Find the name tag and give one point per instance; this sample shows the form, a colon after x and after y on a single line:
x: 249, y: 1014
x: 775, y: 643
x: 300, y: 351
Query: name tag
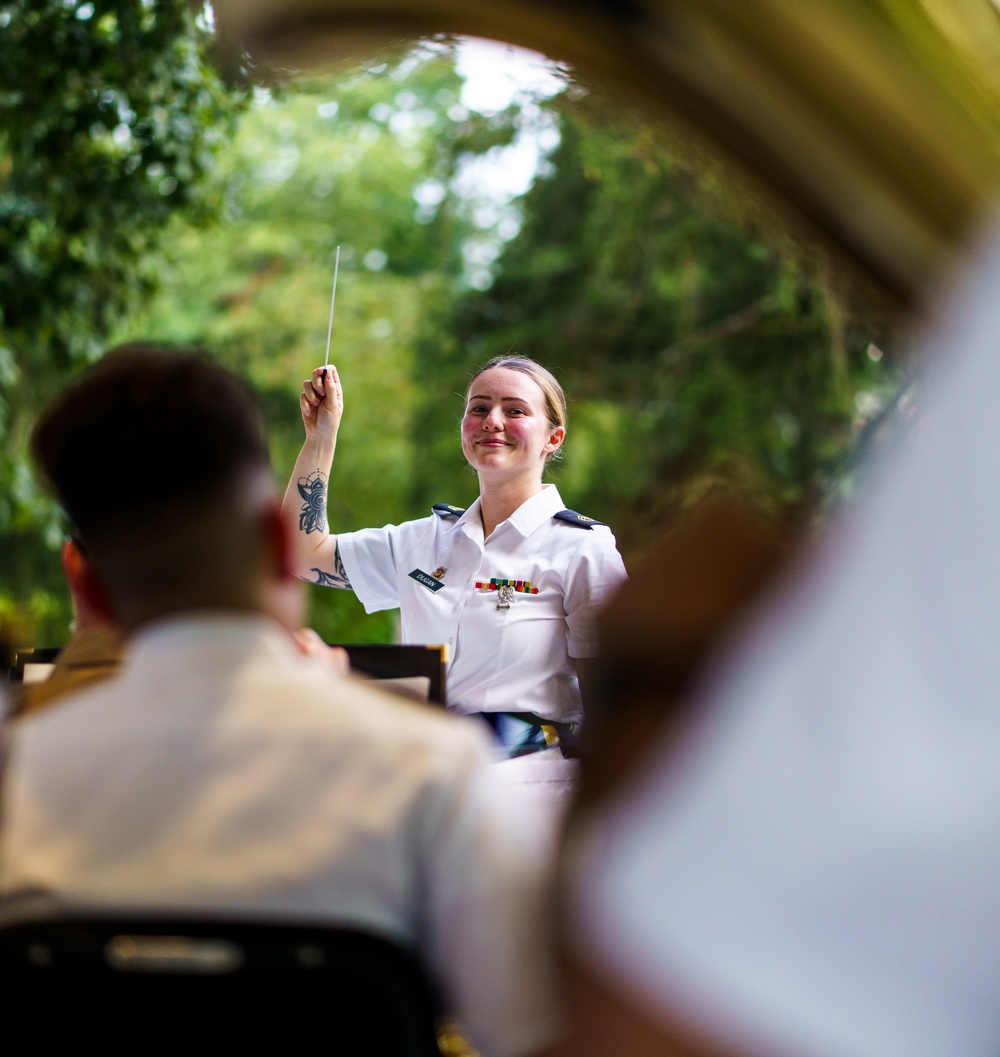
x: 427, y: 580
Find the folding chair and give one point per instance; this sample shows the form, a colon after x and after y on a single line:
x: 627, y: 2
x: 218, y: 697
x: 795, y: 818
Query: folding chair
x: 151, y: 985
x: 390, y: 662
x: 394, y: 663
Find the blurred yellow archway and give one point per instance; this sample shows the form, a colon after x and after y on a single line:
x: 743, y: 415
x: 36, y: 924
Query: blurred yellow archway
x: 874, y: 123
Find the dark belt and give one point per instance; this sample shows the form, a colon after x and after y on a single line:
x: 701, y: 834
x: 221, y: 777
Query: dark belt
x: 530, y: 734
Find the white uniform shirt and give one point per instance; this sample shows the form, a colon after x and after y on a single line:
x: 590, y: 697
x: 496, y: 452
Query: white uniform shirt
x: 817, y: 870
x: 500, y: 660
x: 221, y: 772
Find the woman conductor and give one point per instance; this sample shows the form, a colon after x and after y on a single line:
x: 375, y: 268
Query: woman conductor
x: 511, y: 585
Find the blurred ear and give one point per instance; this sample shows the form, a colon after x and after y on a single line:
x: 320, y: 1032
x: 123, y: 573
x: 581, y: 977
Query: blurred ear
x: 282, y: 593
x: 88, y: 591
x: 277, y: 542
x: 73, y: 560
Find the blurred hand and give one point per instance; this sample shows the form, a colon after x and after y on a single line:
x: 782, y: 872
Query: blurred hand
x: 322, y: 404
x: 311, y: 645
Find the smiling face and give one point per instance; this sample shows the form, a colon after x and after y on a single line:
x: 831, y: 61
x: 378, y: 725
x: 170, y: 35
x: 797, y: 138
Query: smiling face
x: 506, y: 430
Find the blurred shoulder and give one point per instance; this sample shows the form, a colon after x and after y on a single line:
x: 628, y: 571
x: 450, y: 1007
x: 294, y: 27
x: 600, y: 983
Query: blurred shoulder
x: 356, y: 707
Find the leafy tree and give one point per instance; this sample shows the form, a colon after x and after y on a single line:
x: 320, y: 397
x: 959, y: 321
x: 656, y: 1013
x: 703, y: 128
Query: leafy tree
x: 692, y: 338
x: 111, y: 117
x: 364, y: 160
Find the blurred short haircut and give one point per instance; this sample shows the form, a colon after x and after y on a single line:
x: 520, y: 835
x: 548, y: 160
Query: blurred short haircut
x: 147, y: 428
x: 149, y: 452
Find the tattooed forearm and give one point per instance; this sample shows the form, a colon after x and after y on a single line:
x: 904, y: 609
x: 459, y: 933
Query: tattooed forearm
x: 337, y: 578
x: 312, y: 517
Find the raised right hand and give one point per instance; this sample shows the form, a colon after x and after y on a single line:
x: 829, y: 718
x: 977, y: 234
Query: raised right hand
x: 322, y: 404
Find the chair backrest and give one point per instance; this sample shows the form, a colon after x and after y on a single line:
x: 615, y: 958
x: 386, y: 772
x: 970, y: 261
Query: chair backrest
x: 133, y: 985
x: 378, y: 660
x: 29, y: 658
x: 396, y: 662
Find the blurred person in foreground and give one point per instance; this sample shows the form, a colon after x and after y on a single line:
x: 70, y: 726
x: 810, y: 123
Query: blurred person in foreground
x: 811, y: 868
x: 94, y: 650
x: 221, y: 770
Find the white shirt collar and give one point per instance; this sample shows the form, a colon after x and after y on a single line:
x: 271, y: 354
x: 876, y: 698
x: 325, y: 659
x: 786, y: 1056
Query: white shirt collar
x: 212, y: 632
x: 529, y: 516
x: 536, y: 511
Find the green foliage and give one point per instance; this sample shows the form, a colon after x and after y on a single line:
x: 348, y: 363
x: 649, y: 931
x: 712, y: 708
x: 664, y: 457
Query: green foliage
x: 111, y: 121
x: 111, y: 117
x: 360, y: 162
x: 692, y: 341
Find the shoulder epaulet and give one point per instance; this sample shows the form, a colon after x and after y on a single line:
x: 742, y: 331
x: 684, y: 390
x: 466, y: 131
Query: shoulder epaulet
x: 580, y: 520
x: 447, y: 510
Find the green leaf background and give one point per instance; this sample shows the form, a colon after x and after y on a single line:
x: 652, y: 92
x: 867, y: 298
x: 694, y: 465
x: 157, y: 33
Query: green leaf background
x: 142, y: 196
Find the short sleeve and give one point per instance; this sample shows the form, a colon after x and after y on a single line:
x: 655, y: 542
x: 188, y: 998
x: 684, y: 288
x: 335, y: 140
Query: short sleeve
x: 595, y: 573
x: 369, y: 558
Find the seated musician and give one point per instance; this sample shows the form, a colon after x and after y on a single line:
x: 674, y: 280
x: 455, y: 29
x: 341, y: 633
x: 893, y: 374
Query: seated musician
x: 221, y: 771
x: 92, y: 654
